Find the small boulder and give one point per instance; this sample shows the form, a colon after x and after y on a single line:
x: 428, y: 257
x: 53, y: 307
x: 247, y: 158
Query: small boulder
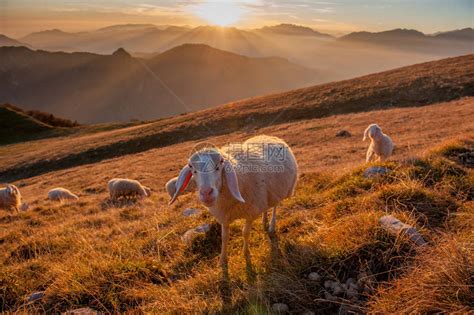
x: 36, y: 296
x: 280, y: 308
x: 188, y: 212
x: 343, y: 134
x: 375, y: 171
x: 396, y: 227
x: 203, y: 228
x: 82, y: 311
x: 328, y: 296
x: 314, y: 276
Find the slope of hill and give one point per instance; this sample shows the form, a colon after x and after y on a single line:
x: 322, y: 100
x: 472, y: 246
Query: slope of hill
x: 130, y: 257
x: 97, y: 88
x: 7, y: 41
x: 409, y: 86
x: 18, y: 126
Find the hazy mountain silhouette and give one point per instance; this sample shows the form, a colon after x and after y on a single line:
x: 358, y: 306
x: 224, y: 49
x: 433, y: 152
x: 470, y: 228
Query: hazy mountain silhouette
x: 7, y: 41
x: 97, y: 88
x: 292, y: 29
x: 462, y: 34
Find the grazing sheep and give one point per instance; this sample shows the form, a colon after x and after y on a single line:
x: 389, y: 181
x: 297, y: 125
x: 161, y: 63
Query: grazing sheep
x: 10, y: 197
x: 124, y: 187
x: 171, y: 186
x: 381, y: 146
x: 60, y: 194
x: 241, y: 183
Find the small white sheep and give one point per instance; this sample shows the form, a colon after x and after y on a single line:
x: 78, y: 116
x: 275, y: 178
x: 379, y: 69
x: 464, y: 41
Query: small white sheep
x: 60, y: 194
x: 241, y: 182
x: 124, y: 187
x: 171, y: 186
x: 10, y: 197
x: 381, y: 146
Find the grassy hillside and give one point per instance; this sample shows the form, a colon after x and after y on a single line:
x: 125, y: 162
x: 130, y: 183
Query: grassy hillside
x: 130, y: 258
x: 18, y: 126
x: 409, y: 86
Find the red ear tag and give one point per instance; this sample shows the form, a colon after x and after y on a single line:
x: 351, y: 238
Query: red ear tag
x: 186, y: 182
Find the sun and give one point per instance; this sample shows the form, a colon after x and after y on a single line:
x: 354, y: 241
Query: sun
x: 222, y: 13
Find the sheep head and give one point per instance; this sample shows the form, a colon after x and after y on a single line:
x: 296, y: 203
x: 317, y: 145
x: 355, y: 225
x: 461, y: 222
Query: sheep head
x: 373, y: 132
x: 208, y: 168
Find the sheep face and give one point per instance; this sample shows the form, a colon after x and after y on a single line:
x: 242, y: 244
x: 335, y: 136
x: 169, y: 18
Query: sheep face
x: 373, y: 132
x: 209, y: 170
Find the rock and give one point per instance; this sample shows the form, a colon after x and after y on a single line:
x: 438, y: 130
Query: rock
x: 36, y: 296
x: 328, y: 284
x: 337, y: 289
x: 314, y: 276
x: 280, y: 308
x: 374, y: 171
x: 343, y: 134
x: 191, y: 234
x: 309, y: 313
x: 328, y: 296
x: 24, y: 206
x: 350, y: 281
x: 352, y: 292
x: 203, y: 228
x: 82, y: 311
x: 188, y: 212
x: 397, y: 227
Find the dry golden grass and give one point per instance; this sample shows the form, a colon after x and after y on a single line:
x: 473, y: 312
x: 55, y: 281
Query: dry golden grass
x: 130, y: 257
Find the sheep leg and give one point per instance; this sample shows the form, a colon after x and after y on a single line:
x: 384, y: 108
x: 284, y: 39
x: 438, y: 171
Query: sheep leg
x: 225, y: 241
x: 265, y: 220
x: 246, y: 235
x: 370, y: 155
x: 272, y: 227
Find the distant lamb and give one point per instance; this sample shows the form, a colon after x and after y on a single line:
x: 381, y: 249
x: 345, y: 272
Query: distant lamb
x: 381, y: 146
x: 10, y: 198
x: 241, y: 186
x: 171, y: 186
x: 124, y: 187
x: 60, y: 194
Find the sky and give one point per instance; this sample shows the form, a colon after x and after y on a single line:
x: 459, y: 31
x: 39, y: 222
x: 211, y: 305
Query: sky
x: 20, y: 17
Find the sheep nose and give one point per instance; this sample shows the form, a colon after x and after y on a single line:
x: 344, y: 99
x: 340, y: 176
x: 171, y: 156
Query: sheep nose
x: 206, y: 192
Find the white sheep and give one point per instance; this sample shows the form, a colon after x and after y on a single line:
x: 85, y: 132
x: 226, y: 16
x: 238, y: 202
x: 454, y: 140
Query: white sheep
x: 171, y: 186
x: 10, y: 197
x: 60, y: 194
x: 124, y: 187
x: 241, y: 182
x: 381, y: 146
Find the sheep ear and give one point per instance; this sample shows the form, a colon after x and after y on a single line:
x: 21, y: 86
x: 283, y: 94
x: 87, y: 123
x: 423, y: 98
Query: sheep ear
x: 232, y: 182
x: 183, y: 181
x: 365, y: 133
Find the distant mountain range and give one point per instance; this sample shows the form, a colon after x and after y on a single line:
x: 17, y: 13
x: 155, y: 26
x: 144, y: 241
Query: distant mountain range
x: 98, y: 88
x: 7, y: 41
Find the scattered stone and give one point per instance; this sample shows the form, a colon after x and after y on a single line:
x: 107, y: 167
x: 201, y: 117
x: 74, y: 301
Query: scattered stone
x: 350, y: 281
x: 82, y: 311
x: 328, y: 284
x: 36, y: 296
x: 337, y: 289
x: 24, y: 206
x: 328, y: 296
x: 314, y: 276
x: 280, y: 308
x: 203, y: 228
x: 343, y: 134
x: 374, y: 171
x: 396, y: 227
x: 191, y: 234
x: 467, y: 159
x: 309, y: 313
x: 188, y: 212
